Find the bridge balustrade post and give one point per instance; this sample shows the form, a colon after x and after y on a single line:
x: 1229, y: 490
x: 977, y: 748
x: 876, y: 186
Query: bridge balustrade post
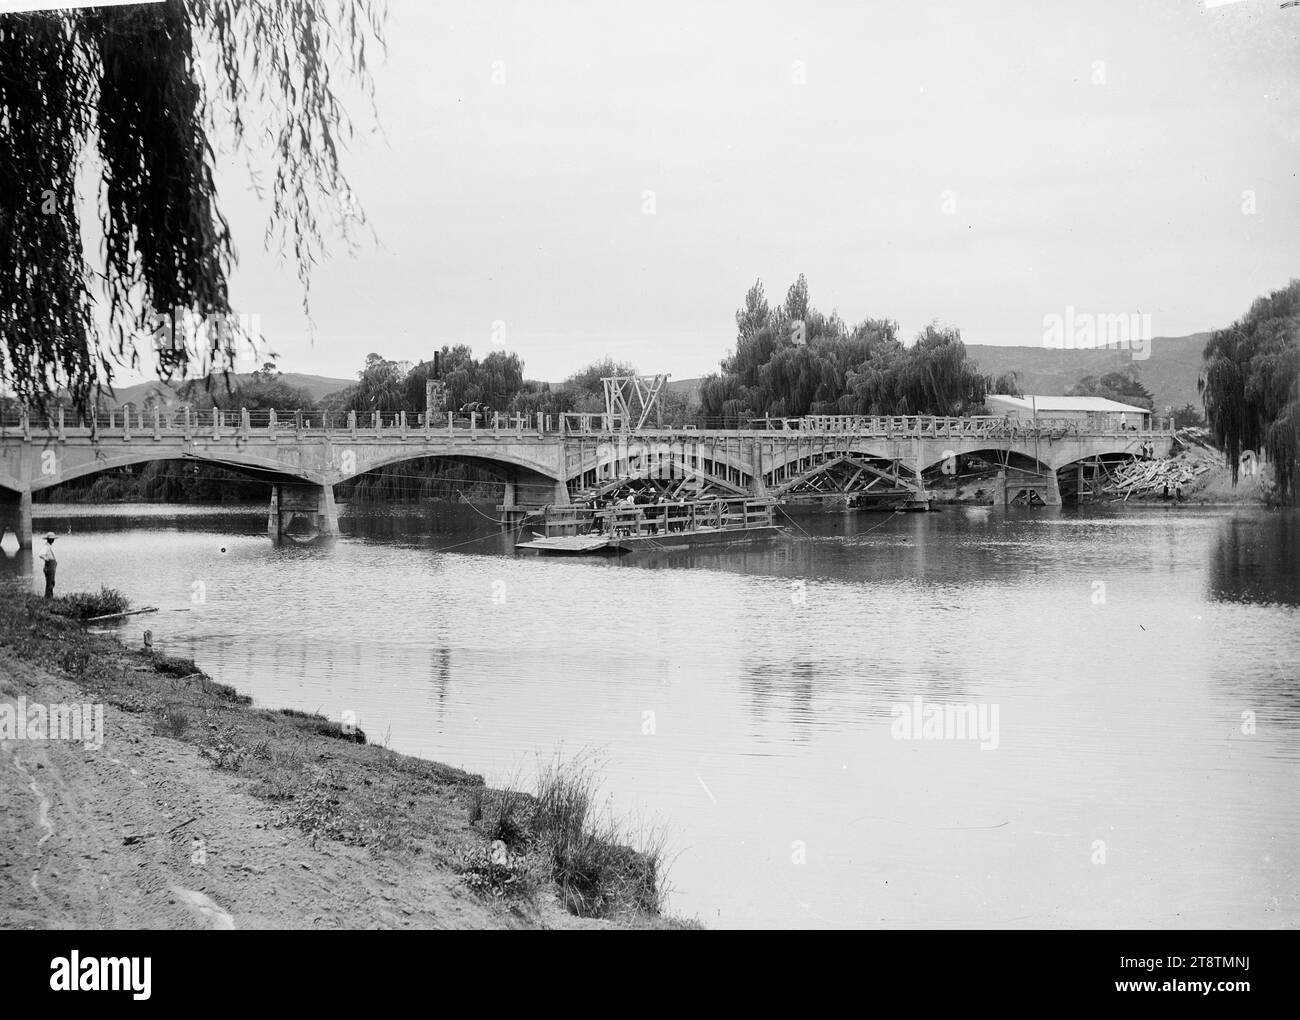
x: 473, y: 425
x: 126, y: 423
x: 352, y: 423
x: 271, y: 424
x: 496, y: 423
x: 216, y: 423
x: 157, y: 425
x: 63, y: 435
x: 112, y: 419
x: 245, y: 422
x: 402, y: 418
x: 25, y: 423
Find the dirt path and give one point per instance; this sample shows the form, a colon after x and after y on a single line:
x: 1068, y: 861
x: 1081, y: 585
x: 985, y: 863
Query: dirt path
x: 144, y: 833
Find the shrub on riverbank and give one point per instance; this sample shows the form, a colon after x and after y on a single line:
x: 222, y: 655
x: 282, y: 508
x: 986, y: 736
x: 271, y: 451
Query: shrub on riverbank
x: 87, y: 605
x: 172, y: 722
x: 317, y: 723
x: 594, y: 868
x: 171, y: 665
x: 568, y: 834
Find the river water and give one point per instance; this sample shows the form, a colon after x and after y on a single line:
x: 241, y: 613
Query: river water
x: 1137, y: 673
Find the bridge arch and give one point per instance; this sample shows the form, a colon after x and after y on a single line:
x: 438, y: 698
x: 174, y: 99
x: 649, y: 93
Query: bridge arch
x: 364, y: 463
x: 255, y: 466
x: 670, y: 463
x: 994, y: 456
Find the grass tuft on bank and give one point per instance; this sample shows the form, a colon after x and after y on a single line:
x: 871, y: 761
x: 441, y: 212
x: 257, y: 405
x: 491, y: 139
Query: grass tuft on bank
x: 326, y: 727
x: 568, y: 834
x: 87, y: 605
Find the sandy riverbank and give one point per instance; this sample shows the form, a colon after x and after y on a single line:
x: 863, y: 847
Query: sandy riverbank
x: 200, y: 811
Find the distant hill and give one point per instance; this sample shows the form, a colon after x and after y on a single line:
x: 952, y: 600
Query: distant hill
x: 691, y: 387
x: 317, y: 385
x: 1169, y: 373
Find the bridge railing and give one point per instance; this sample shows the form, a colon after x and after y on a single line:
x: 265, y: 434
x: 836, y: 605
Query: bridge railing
x: 129, y: 422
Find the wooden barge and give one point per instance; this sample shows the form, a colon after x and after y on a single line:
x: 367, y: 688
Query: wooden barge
x: 650, y: 527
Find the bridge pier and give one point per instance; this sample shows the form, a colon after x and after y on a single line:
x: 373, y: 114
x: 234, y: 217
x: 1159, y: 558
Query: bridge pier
x: 302, y: 509
x: 16, y: 516
x: 1026, y: 488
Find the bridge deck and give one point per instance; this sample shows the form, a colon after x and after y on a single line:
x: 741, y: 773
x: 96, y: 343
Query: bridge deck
x: 297, y: 425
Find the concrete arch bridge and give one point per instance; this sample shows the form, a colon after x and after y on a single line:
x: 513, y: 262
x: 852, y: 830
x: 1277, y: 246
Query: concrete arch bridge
x: 545, y: 458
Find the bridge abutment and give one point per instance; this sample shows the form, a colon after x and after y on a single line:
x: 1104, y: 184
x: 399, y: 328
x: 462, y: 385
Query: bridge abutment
x: 302, y: 510
x: 16, y: 516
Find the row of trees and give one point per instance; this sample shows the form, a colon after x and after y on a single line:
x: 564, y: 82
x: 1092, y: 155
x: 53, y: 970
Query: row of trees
x: 792, y: 359
x: 1124, y: 387
x: 496, y: 381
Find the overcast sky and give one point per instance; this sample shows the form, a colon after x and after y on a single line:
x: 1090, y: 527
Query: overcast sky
x: 984, y: 163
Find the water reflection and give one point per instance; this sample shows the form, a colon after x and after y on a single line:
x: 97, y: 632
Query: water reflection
x: 1256, y: 558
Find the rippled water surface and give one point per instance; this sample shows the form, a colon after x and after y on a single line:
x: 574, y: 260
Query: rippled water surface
x: 1125, y: 653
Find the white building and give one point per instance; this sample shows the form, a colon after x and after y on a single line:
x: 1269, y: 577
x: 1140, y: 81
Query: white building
x: 1095, y: 411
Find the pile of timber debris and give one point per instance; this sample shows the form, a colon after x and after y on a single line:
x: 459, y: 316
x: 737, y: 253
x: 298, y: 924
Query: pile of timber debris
x: 1194, y: 457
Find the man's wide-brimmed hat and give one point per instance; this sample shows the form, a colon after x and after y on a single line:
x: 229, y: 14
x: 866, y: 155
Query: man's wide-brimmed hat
x: 50, y: 536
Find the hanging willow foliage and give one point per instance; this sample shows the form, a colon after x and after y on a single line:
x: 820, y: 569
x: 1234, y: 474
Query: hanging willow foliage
x: 1250, y: 385
x: 132, y: 79
x: 45, y: 307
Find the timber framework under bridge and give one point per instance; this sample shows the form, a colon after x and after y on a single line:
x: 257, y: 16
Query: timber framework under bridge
x: 553, y: 458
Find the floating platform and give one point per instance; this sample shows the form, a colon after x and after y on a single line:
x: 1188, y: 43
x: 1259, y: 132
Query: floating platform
x: 571, y: 545
x: 654, y: 527
x: 605, y: 545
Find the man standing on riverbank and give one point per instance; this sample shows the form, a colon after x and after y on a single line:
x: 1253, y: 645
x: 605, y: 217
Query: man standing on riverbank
x: 46, y: 556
